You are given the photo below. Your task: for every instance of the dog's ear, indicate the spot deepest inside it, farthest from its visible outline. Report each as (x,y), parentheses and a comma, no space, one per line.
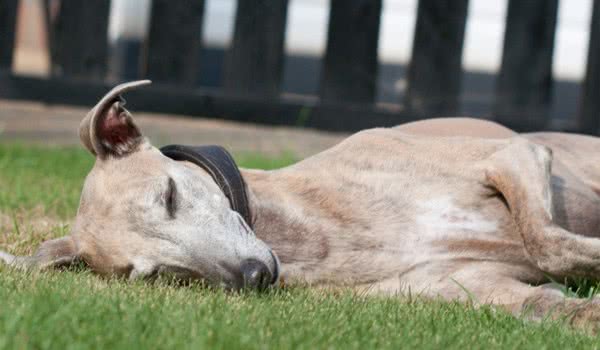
(52,253)
(108,129)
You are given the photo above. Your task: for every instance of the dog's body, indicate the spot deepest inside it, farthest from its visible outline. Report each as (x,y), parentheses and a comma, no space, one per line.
(455,208)
(400,208)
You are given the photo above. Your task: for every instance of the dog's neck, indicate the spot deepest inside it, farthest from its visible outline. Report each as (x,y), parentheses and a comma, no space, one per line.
(280,220)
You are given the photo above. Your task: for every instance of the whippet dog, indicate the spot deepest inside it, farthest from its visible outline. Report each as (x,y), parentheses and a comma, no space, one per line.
(453,208)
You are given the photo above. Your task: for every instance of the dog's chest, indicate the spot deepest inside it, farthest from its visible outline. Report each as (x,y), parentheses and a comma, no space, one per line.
(408,194)
(416,216)
(441,216)
(407,212)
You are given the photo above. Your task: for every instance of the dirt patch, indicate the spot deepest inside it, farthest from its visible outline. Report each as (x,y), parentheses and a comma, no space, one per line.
(38,123)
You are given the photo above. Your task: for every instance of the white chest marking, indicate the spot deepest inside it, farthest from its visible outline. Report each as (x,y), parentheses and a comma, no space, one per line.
(440,216)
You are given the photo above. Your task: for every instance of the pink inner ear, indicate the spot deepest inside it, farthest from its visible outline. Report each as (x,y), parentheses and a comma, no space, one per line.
(116,129)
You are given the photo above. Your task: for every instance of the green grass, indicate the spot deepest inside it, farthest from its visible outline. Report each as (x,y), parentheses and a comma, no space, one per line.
(75,309)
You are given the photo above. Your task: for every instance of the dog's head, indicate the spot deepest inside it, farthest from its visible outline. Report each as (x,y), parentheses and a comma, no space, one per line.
(142,213)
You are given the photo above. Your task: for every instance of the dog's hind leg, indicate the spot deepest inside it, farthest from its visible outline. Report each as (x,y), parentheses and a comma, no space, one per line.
(546,302)
(487,283)
(496,284)
(521,173)
(549,302)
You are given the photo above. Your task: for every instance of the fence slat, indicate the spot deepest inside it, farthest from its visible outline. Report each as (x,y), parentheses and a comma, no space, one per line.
(434,74)
(254,62)
(8,16)
(174,41)
(349,70)
(79,42)
(524,85)
(590,103)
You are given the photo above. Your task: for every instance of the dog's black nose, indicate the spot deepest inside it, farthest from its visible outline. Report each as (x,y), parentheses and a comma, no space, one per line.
(256,274)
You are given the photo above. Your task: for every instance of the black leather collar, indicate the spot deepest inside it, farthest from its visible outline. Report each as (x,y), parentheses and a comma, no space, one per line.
(221,166)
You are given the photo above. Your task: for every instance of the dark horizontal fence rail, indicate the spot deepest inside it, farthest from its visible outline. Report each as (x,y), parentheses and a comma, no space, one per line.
(206,103)
(254,64)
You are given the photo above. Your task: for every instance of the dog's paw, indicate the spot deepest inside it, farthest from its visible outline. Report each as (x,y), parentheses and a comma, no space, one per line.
(6,258)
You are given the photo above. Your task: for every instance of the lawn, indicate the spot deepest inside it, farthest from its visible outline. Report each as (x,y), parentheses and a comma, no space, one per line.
(39,191)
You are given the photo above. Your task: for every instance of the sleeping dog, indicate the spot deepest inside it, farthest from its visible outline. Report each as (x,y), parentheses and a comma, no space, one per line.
(451,208)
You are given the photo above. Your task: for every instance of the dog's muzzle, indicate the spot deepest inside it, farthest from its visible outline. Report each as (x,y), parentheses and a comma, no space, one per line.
(256,274)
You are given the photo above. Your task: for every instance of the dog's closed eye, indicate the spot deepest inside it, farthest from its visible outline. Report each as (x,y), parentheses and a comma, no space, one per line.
(170,198)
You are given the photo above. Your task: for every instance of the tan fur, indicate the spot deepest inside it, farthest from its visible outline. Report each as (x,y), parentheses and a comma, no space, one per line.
(452,208)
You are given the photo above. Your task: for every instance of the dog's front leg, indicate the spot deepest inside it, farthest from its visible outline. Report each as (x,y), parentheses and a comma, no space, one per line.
(521,173)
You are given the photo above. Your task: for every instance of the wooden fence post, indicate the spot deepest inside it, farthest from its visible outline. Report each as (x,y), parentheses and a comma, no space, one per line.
(350,65)
(174,41)
(254,62)
(590,102)
(524,85)
(8,18)
(435,72)
(79,42)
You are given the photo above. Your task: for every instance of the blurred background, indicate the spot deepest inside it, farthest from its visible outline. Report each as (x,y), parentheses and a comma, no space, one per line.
(336,65)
